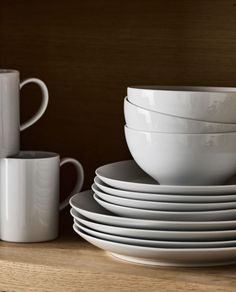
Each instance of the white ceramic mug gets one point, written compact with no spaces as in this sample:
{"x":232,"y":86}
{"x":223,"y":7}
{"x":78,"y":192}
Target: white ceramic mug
{"x":29,"y":193}
{"x":10,"y":114}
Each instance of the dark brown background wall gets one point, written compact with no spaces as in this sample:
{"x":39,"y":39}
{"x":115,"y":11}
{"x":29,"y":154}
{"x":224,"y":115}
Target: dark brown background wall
{"x":88,"y":52}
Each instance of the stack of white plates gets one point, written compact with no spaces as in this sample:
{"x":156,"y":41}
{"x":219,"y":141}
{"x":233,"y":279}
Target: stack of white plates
{"x":134,"y":218}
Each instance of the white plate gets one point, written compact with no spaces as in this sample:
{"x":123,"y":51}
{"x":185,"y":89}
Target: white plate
{"x":187,"y":257}
{"x":229,"y":214}
{"x":160,"y":206}
{"x":155,"y":243}
{"x":85,"y":204}
{"x":126,"y":175}
{"x":181,"y":198}
{"x":157,"y":234}
{"x":162,"y":197}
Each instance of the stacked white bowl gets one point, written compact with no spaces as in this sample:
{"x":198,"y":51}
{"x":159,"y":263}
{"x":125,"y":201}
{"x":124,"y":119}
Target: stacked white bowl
{"x":183,"y":135}
{"x":175,"y":203}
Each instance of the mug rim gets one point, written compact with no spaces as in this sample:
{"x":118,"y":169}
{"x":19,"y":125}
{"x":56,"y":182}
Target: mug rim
{"x":34,"y":155}
{"x":8,"y":71}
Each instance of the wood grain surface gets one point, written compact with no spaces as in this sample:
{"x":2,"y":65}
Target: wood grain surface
{"x":70,"y":264}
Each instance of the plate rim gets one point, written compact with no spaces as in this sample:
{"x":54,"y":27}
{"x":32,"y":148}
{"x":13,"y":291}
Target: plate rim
{"x":164,"y":249}
{"x":124,"y":219}
{"x":165,"y":212}
{"x":164,"y":231}
{"x":78,"y":224}
{"x":177,"y":204}
{"x":187,"y":189}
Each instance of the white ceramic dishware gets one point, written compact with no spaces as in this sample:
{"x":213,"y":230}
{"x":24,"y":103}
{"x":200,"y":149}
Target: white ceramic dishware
{"x":154,"y":243}
{"x":184,"y":159}
{"x":29,"y":195}
{"x":10,"y":115}
{"x":163,"y":197}
{"x":185,"y":257}
{"x":155,"y":234}
{"x":211,"y":104}
{"x":84,"y":204}
{"x":228,"y":214}
{"x":127,"y":175}
{"x":162,"y":206}
{"x":139,"y":118}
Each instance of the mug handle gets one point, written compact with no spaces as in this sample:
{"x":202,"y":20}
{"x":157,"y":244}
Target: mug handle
{"x":43,"y":105}
{"x":79,"y":182}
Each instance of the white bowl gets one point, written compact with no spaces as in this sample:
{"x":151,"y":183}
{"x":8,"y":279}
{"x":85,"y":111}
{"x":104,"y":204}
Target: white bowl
{"x":184,"y":159}
{"x":212,"y":104}
{"x":139,"y":118}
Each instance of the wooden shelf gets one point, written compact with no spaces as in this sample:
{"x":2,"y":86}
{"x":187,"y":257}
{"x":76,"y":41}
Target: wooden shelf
{"x":71,"y":264}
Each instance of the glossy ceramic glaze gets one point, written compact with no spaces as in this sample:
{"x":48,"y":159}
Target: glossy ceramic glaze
{"x":190,"y":257}
{"x":154,"y":243}
{"x":127,"y":175}
{"x":84,"y":205}
{"x":155,"y":234}
{"x":162,"y":206}
{"x":9,"y":118}
{"x":211,"y":104}
{"x":139,"y":118}
{"x":213,"y":215}
{"x":184,"y":159}
{"x":163,"y":197}
{"x":29,"y":192}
